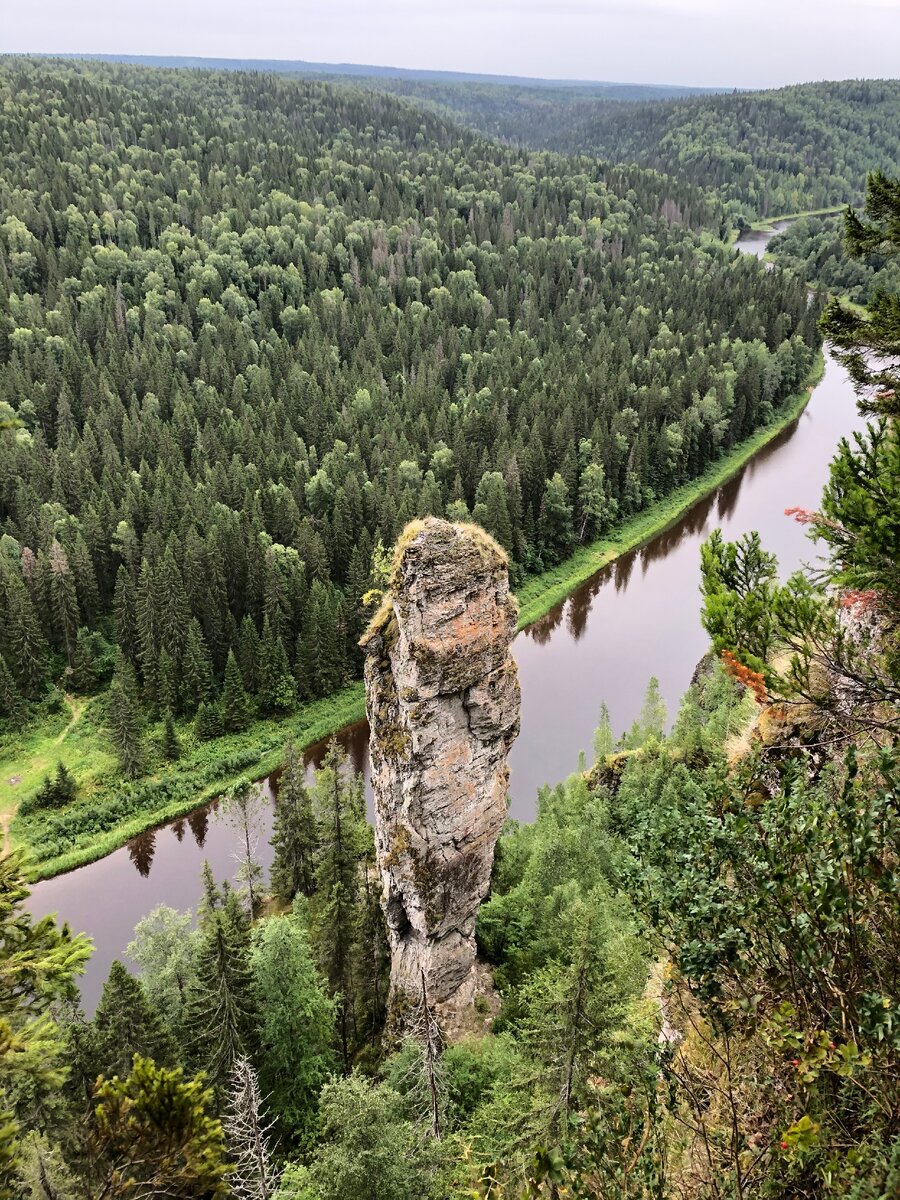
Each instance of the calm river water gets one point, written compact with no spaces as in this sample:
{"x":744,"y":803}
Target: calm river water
{"x":636,"y":618}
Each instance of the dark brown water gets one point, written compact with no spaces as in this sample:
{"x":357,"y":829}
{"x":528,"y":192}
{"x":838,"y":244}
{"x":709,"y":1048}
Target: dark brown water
{"x":636,"y":618}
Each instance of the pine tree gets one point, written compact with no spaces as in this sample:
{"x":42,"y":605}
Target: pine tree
{"x":235,"y":702}
{"x":125,"y":719}
{"x":293,"y":831}
{"x":151,"y":1135}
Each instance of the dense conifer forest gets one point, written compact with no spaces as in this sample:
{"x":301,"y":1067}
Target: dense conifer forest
{"x":251,"y":326}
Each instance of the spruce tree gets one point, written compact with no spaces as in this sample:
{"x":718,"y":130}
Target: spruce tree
{"x":208,"y":722}
{"x":296,"y":1022}
{"x":235,"y":702}
{"x":171,"y":746}
{"x":604,"y":739}
{"x":24,"y":645}
{"x":126,"y":1023}
{"x":12,"y":705}
{"x":293,"y":831}
{"x":220,"y":1012}
{"x":337,"y":906}
{"x":196,"y":669}
{"x":125,"y":719}
{"x":276,"y":687}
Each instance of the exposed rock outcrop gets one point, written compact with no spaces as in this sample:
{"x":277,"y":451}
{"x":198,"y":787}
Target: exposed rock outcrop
{"x":442,"y":695}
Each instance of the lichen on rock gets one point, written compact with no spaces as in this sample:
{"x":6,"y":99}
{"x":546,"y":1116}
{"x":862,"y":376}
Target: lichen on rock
{"x":442,"y":695}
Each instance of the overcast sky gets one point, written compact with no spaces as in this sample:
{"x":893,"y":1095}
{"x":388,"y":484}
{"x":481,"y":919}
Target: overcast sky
{"x":716,"y":42}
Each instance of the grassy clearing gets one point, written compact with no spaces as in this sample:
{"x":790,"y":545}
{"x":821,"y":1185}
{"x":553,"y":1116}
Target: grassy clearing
{"x":70,"y":736}
{"x":109,"y":810}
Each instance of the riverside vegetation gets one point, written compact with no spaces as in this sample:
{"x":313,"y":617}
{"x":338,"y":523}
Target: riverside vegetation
{"x":696,"y":944}
{"x":244,"y":339}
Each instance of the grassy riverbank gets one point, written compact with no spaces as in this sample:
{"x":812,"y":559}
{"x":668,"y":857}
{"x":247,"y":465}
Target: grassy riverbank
{"x":109,"y":810}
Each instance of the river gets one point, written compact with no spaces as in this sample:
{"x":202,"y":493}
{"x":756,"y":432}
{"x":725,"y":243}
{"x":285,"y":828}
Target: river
{"x":635,"y":618}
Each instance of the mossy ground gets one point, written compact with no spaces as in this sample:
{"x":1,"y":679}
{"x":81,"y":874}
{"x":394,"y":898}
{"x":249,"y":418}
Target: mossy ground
{"x":76,"y":735}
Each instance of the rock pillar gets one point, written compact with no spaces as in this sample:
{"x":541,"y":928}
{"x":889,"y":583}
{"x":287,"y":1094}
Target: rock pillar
{"x":442,"y":696}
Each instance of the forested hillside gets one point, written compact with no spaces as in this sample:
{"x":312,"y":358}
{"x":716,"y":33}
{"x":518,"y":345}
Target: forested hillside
{"x":803,"y":147}
{"x":251,"y":326}
{"x":797,"y":148}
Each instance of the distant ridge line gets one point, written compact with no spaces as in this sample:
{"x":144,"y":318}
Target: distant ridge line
{"x":369,"y":71}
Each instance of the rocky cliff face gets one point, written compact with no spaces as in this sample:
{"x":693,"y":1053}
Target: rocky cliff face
{"x":442,"y":695}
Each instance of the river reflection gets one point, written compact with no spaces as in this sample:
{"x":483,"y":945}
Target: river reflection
{"x":635,"y":618}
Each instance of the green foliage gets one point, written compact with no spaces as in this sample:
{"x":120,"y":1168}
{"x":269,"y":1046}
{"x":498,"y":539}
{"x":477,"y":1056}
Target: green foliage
{"x":813,"y":247}
{"x":171,"y":746}
{"x":293,"y":831}
{"x":296,"y":1023}
{"x":127,"y":1023}
{"x":373,"y":367}
{"x":220,"y":1019}
{"x":337,"y":910}
{"x":370,"y":1149}
{"x":765,"y":153}
{"x":151,"y":1134}
{"x":738,"y":589}
{"x":38,"y":965}
{"x":125,"y":718}
{"x":163,"y":948}
{"x":869,"y":347}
